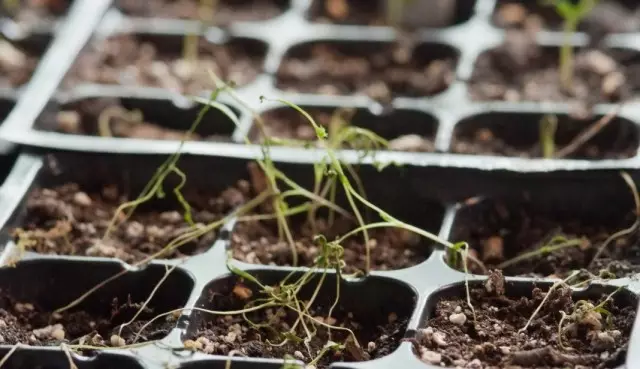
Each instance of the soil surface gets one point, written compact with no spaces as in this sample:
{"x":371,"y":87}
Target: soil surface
{"x":16,"y":64}
{"x":521,"y":70}
{"x":429,"y":14}
{"x":65,"y":220}
{"x":507,"y":140}
{"x":130,"y":60}
{"x":86,"y":116}
{"x":226,"y":12}
{"x":377,"y":336}
{"x":257,"y":242}
{"x":589,"y":339}
{"x":26,"y":323}
{"x":507,"y":232}
{"x":287,"y":124}
{"x":606,"y":17}
{"x":378,"y":71}
{"x":33,"y":11}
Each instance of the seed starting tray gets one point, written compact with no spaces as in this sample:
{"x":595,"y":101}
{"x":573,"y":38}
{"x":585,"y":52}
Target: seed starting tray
{"x":436,"y":183}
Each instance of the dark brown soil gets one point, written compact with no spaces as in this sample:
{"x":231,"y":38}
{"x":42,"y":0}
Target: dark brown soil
{"x":590,"y":339}
{"x":380,"y":71}
{"x":508,"y":136}
{"x":258,"y":243}
{"x":429,"y":14}
{"x":17,"y":64}
{"x":377,"y":336}
{"x":134,"y":61}
{"x":507,"y":232}
{"x":26,"y":323}
{"x":606,"y":17}
{"x":288,"y":124}
{"x":226,"y":12}
{"x":521,"y":70}
{"x":32,"y":11}
{"x":65,"y":220}
{"x":122,"y":122}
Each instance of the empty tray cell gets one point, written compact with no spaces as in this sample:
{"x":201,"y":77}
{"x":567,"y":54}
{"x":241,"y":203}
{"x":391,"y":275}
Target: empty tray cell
{"x":135,"y":118}
{"x":69,"y":213}
{"x":553,"y":229}
{"x":32,"y":293}
{"x":258,"y":241}
{"x":19,"y":59}
{"x":405,"y":130}
{"x":378,"y":70}
{"x":521,"y":70}
{"x":519,"y":135}
{"x":573,"y":329}
{"x":157,"y":60}
{"x":606,"y":17}
{"x":422,"y":13}
{"x":34,"y":11}
{"x":375,"y":309}
{"x":224,"y":13}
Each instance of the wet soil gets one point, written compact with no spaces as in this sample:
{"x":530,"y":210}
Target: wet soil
{"x":66,"y":220}
{"x":226,"y":12}
{"x":521,"y":70}
{"x":134,"y":61}
{"x":589,"y":339}
{"x":614,"y":141}
{"x":26,"y":323}
{"x":606,"y":17}
{"x":86,"y":116}
{"x":17,"y":64}
{"x":377,"y":335}
{"x":33,"y":11}
{"x":508,"y":231}
{"x":294,"y":128}
{"x":378,"y":71}
{"x":257,"y":242}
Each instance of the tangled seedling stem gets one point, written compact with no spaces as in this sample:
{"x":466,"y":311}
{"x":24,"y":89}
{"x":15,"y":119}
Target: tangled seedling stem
{"x":628,"y":231}
{"x":546,"y":297}
{"x":107,"y":115}
{"x":144,"y":305}
{"x":581,"y":308}
{"x":556,"y":244}
{"x":586,"y":135}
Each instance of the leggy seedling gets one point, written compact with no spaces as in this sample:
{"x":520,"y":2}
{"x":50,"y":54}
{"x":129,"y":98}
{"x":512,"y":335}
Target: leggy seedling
{"x":191,"y":40}
{"x":572,"y":13}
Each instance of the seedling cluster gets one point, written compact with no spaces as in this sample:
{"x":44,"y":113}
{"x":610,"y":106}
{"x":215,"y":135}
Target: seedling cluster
{"x":302,"y":316}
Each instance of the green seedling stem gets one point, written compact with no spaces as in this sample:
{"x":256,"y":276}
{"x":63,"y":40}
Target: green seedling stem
{"x":572,"y":13}
{"x":548,"y":127}
{"x":191,"y":40}
{"x":558,"y":243}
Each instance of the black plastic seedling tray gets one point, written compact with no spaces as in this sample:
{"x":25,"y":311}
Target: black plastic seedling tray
{"x":430,"y":189}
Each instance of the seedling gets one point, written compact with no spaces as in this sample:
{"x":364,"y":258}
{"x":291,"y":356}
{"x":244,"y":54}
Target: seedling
{"x":572,"y":13}
{"x":330,"y":176}
{"x":191,"y":40}
{"x":548,"y":127}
